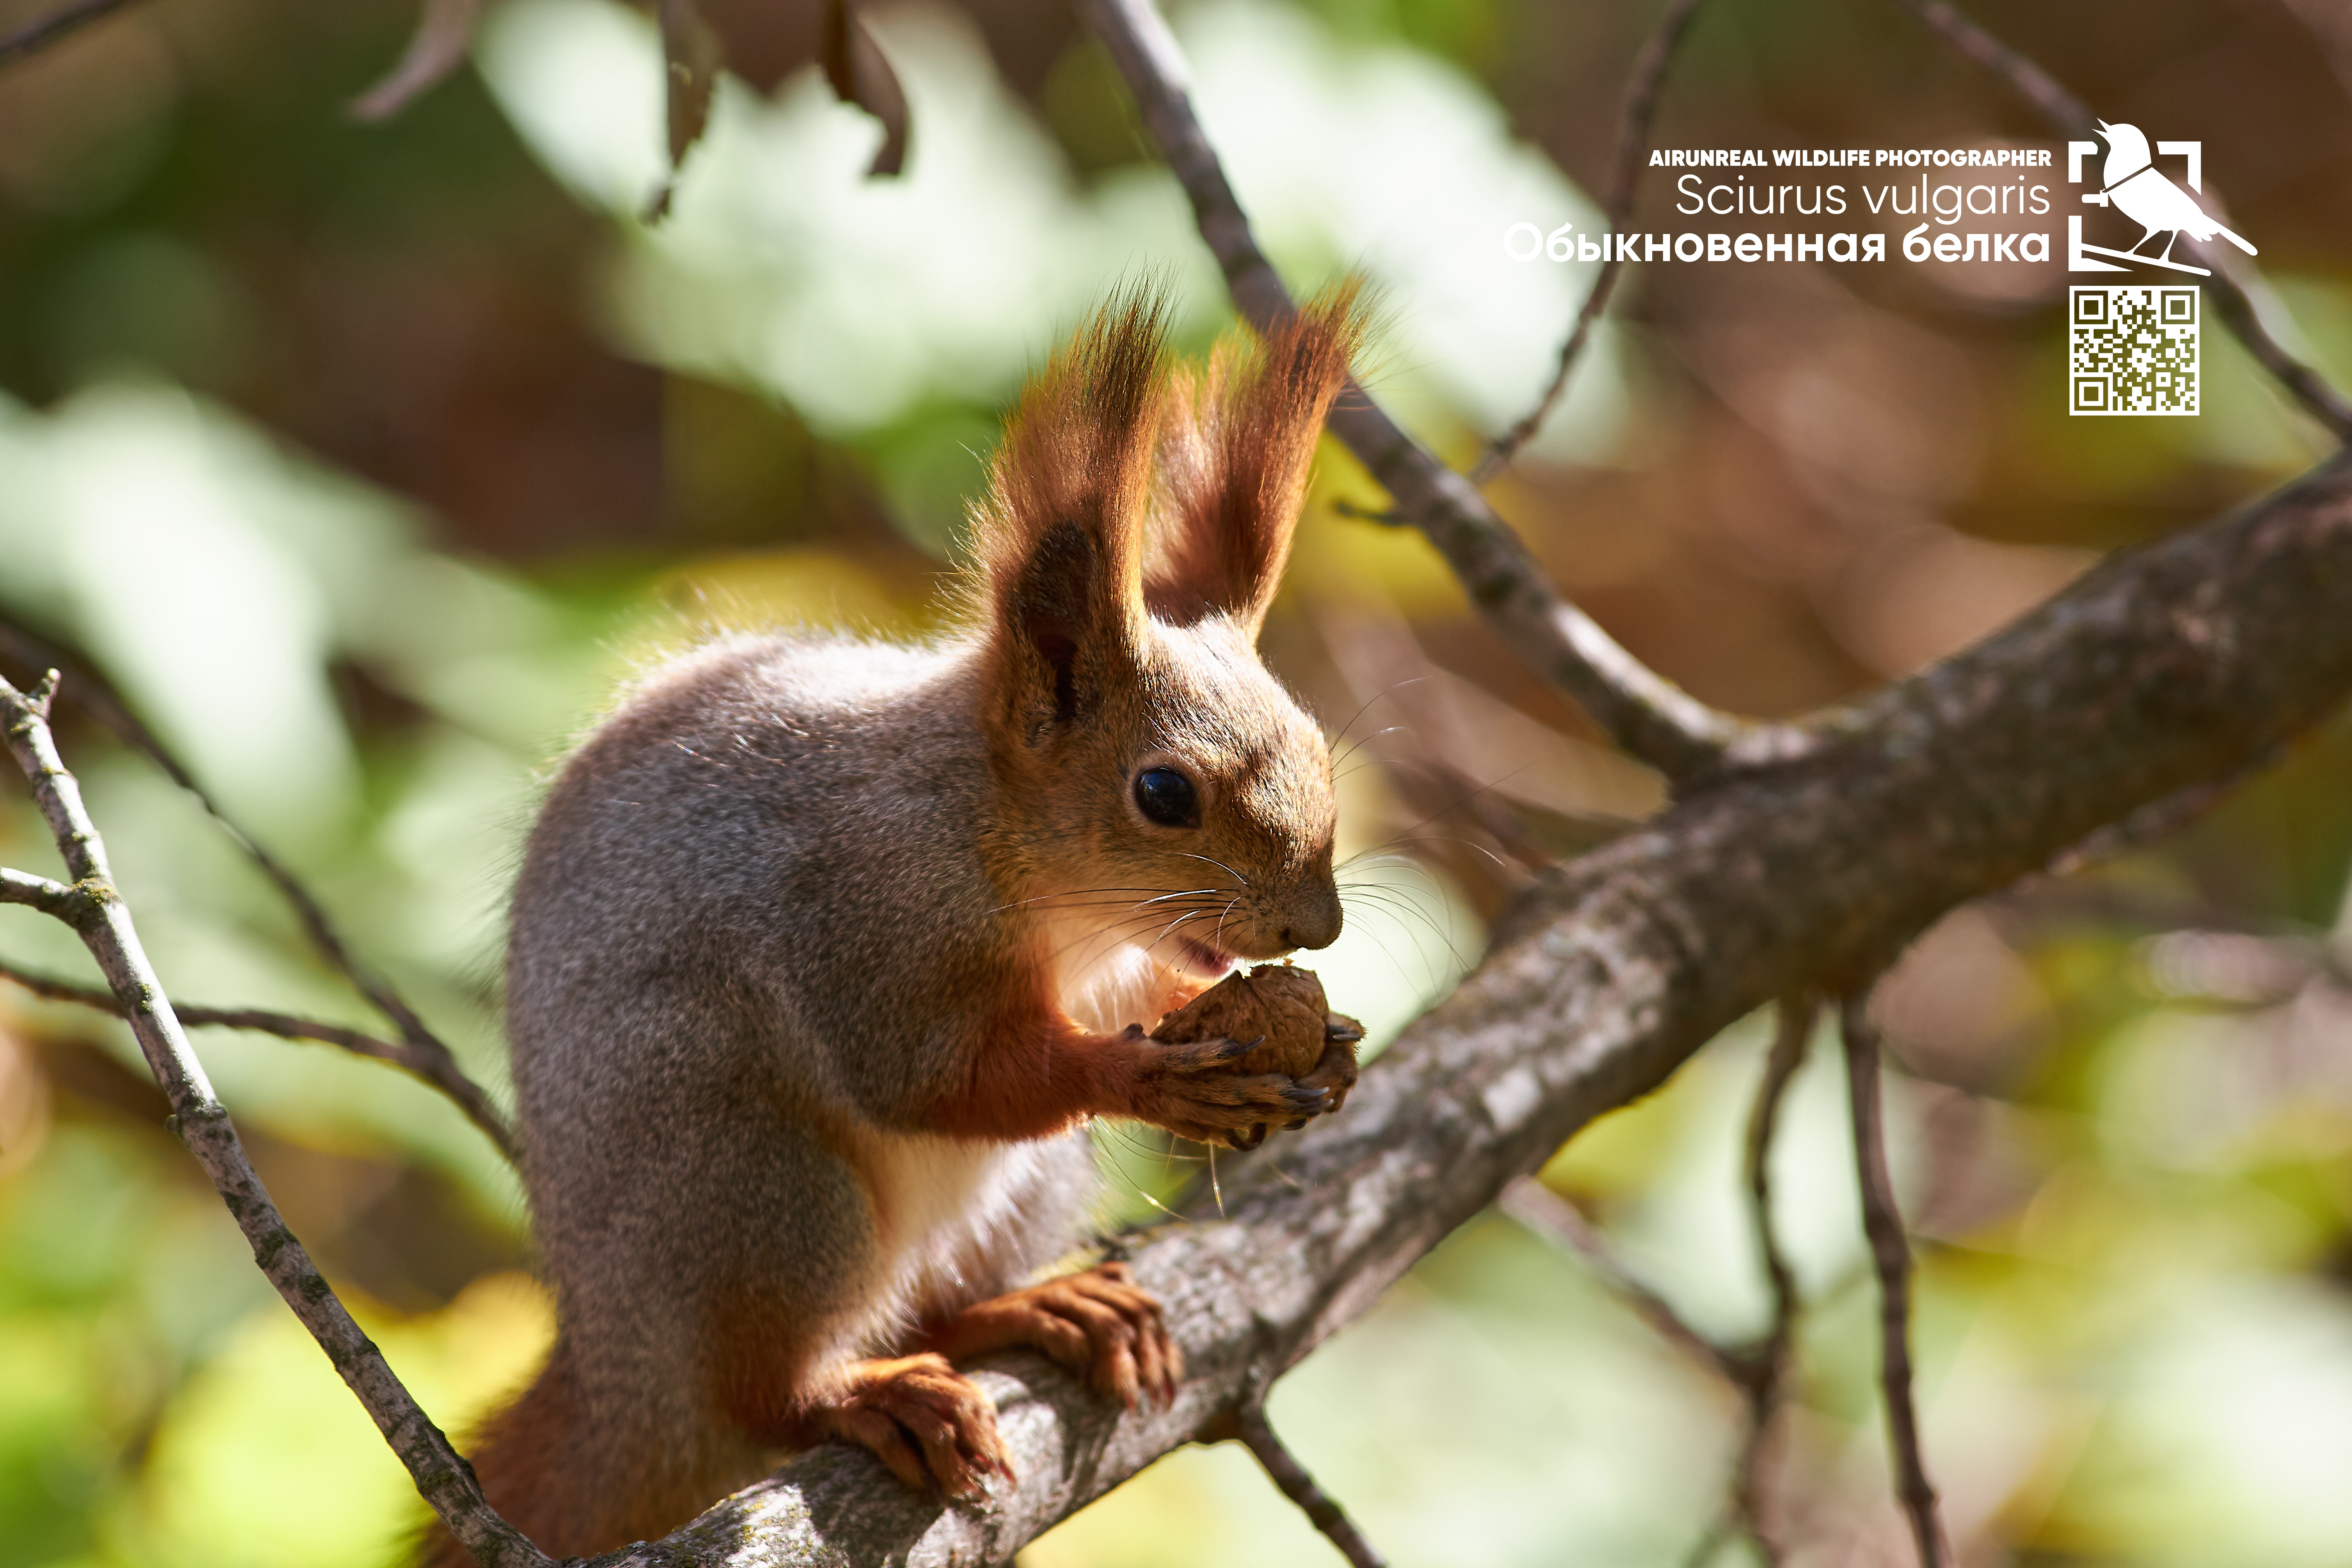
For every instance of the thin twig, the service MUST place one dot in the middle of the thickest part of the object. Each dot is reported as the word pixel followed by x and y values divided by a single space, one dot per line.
pixel 1763 1366
pixel 1795 1029
pixel 1649 75
pixel 445 1481
pixel 2241 302
pixel 2156 821
pixel 1560 1221
pixel 1882 1222
pixel 1282 1466
pixel 431 1058
pixel 424 1064
pixel 55 899
pixel 42 31
pixel 1649 715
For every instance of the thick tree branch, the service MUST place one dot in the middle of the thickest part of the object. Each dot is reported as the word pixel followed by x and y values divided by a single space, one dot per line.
pixel 42 31
pixel 1649 715
pixel 1649 75
pixel 104 922
pixel 435 1070
pixel 1891 1258
pixel 2242 299
pixel 421 1051
pixel 2188 658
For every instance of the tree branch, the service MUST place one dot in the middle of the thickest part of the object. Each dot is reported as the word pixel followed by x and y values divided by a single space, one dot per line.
pixel 437 1071
pixel 1649 75
pixel 2241 301
pixel 2188 657
pixel 1253 1432
pixel 1882 1223
pixel 424 1052
pixel 1558 1221
pixel 104 922
pixel 42 31
pixel 1649 715
pixel 1794 1028
pixel 70 904
pixel 1757 1371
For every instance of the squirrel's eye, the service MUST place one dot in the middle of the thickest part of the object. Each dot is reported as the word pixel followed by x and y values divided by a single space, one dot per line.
pixel 1165 795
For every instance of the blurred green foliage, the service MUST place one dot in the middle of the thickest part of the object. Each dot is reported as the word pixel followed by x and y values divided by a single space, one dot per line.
pixel 366 461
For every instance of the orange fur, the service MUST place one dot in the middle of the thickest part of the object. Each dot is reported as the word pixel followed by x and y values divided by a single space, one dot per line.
pixel 542 1479
pixel 1060 534
pixel 1234 445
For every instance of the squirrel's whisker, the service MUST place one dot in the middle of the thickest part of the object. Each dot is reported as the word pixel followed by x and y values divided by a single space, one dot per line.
pixel 1452 839
pixel 1220 865
pixel 1433 817
pixel 1387 952
pixel 1389 910
pixel 1393 905
pixel 1366 741
pixel 1187 893
pixel 1072 893
pixel 1385 692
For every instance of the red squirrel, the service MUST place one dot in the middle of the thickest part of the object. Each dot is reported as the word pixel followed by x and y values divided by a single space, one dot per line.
pixel 823 953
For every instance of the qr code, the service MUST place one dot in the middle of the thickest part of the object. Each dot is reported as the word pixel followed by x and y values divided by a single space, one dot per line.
pixel 2132 351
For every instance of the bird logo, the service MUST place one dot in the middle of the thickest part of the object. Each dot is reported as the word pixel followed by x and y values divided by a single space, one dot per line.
pixel 2134 187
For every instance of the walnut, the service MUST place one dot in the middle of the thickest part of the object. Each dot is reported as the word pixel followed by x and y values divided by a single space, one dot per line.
pixel 1302 1038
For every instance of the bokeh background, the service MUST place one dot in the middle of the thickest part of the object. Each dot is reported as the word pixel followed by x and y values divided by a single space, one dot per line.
pixel 365 460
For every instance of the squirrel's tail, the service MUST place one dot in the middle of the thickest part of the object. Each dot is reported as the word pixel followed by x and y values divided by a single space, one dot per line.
pixel 572 1482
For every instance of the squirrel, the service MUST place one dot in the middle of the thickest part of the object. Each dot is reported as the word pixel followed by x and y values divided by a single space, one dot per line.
pixel 823 951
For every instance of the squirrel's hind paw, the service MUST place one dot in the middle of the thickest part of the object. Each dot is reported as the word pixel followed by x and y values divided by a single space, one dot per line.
pixel 934 1427
pixel 1098 1322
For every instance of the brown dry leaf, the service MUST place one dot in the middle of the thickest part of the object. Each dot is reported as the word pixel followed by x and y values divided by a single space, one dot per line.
pixel 691 56
pixel 445 32
pixel 763 43
pixel 860 74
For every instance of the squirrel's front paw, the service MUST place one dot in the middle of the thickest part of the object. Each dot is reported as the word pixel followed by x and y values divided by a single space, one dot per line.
pixel 1194 1091
pixel 1336 1069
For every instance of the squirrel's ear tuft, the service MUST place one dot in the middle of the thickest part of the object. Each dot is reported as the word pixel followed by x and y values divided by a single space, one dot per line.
pixel 1059 535
pixel 1235 445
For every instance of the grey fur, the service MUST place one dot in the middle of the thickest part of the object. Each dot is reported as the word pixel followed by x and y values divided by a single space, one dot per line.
pixel 734 911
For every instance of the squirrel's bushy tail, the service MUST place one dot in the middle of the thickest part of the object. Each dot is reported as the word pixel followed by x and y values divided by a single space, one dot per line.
pixel 572 1482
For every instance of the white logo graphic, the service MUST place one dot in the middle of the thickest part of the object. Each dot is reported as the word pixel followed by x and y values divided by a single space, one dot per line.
pixel 2134 187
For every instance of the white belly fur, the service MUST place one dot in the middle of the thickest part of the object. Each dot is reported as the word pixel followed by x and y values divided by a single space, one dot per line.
pixel 1105 985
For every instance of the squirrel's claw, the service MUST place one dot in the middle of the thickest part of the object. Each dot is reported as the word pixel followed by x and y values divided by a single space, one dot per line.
pixel 1234 1050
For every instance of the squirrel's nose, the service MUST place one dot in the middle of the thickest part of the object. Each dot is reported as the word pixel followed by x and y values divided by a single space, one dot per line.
pixel 1315 922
